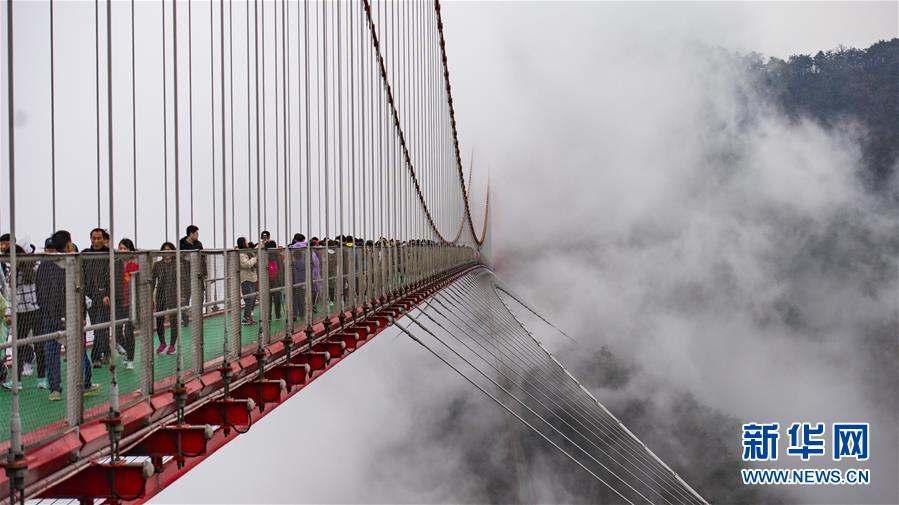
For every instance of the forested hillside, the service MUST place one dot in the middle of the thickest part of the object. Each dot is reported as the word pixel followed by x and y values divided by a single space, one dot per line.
pixel 841 84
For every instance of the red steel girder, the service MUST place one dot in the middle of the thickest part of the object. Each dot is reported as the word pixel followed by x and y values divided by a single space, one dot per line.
pixel 164 442
pixel 293 374
pixel 119 481
pixel 231 412
pixel 315 360
pixel 260 391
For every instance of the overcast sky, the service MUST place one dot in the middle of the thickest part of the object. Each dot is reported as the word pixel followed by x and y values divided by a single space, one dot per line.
pixel 508 60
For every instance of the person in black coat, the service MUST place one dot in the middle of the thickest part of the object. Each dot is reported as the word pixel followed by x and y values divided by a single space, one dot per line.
pixel 189 243
pixel 95 271
pixel 164 282
pixel 50 289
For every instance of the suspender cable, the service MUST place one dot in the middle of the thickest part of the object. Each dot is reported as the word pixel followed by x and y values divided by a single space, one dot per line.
pixel 249 159
pixel 265 127
pixel 190 108
pixel 113 383
pixel 133 126
pixel 341 227
pixel 324 71
pixel 231 116
pixel 229 305
pixel 277 112
pixel 97 99
pixel 212 134
pixel 165 134
pixel 53 120
pixel 285 118
pixel 309 279
pixel 15 467
pixel 180 393
pixel 256 62
pixel 263 224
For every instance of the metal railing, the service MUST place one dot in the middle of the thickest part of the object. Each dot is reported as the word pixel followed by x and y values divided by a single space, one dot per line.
pixel 226 305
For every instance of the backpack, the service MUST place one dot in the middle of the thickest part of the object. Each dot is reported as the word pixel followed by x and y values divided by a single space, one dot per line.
pixel 272 270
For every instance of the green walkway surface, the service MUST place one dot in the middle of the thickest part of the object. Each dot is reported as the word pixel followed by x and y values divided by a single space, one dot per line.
pixel 37 411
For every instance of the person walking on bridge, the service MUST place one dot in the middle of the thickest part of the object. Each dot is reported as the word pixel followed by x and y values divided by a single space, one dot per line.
pixel 164 282
pixel 50 289
pixel 299 273
pixel 248 279
pixel 124 268
pixel 95 271
pixel 275 275
pixel 191 242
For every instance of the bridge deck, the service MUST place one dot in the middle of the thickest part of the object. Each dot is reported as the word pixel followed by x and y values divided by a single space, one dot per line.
pixel 38 412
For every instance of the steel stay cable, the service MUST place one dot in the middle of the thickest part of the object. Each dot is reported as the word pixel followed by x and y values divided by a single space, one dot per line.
pixel 553 384
pixel 508 291
pixel 558 370
pixel 506 408
pixel 630 440
pixel 658 460
pixel 613 423
pixel 525 382
pixel 527 407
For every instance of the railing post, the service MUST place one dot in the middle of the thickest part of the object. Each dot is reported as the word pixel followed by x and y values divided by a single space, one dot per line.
pixel 326 283
pixel 382 253
pixel 308 286
pixel 265 299
pixel 196 311
pixel 211 288
pixel 74 341
pixel 338 288
pixel 366 280
pixel 232 265
pixel 353 279
pixel 144 301
pixel 287 294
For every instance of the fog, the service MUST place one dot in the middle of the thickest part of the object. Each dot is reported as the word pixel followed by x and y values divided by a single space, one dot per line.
pixel 717 263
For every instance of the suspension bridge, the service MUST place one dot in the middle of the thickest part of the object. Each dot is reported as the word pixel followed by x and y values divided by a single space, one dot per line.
pixel 314 146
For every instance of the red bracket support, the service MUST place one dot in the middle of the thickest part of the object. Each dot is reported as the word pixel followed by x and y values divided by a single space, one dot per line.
pixel 260 391
pixel 231 412
pixel 117 482
pixel 334 349
pixel 315 360
pixel 164 442
pixel 349 340
pixel 292 374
